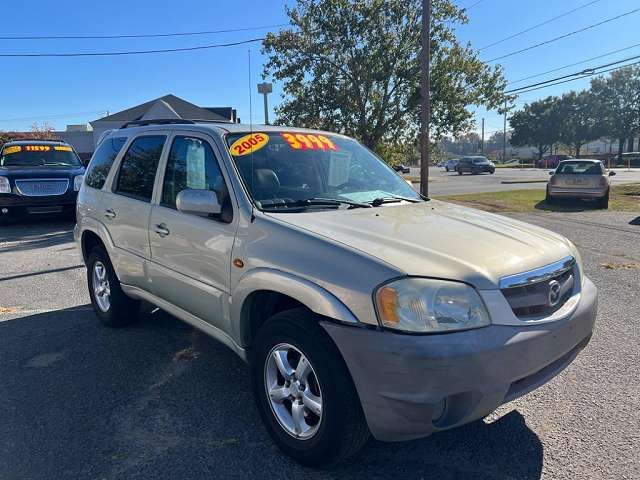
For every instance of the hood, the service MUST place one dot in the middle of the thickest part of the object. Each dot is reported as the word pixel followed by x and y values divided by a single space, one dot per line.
pixel 440 240
pixel 41 172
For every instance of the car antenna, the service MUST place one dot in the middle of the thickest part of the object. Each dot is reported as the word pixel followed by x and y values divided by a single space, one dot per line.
pixel 251 132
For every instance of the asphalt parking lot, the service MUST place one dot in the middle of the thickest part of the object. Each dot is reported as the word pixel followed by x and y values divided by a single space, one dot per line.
pixel 450 183
pixel 159 400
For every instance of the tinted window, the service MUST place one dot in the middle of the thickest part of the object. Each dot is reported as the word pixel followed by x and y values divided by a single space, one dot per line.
pixel 138 167
pixel 32 155
pixel 192 165
pixel 586 168
pixel 102 161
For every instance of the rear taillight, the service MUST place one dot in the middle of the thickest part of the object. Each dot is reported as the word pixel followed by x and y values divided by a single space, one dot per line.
pixel 553 180
pixel 603 181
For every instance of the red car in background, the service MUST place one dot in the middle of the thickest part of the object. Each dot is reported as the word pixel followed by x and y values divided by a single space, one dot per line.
pixel 552 161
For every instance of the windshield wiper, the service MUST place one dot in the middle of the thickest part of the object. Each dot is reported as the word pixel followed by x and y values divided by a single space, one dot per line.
pixel 287 205
pixel 335 201
pixel 389 198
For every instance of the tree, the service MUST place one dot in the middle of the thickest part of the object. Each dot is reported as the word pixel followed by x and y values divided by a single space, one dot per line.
pixel 38 132
pixel 618 104
pixel 352 66
pixel 537 124
pixel 579 120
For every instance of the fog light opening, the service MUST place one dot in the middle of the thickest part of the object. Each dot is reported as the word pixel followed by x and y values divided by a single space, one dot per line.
pixel 439 411
pixel 4 211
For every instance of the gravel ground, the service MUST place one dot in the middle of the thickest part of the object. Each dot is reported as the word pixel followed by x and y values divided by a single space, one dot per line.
pixel 158 400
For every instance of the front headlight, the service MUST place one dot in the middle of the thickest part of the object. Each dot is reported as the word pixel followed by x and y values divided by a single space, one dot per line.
pixel 5 187
pixel 428 306
pixel 578 258
pixel 77 182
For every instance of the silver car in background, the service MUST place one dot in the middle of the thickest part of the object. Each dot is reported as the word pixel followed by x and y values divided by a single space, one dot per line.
pixel 580 179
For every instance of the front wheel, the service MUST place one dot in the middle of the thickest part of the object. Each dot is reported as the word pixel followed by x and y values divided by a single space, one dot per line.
pixel 459 172
pixel 304 392
pixel 110 304
pixel 446 168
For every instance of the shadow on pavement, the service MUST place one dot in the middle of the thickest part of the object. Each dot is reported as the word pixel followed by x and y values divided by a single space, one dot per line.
pixel 34 233
pixel 159 400
pixel 567 206
pixel 635 221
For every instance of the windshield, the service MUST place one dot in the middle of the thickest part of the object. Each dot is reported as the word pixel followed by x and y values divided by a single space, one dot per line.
pixel 585 168
pixel 39 156
pixel 291 167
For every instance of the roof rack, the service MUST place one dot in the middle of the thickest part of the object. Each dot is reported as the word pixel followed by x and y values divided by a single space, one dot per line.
pixel 57 140
pixel 160 121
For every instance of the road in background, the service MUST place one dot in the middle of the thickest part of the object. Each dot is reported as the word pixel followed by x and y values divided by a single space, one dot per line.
pixel 159 400
pixel 450 183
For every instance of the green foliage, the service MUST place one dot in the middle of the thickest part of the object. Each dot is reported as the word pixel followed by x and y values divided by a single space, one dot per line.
pixel 537 124
pixel 618 103
pixel 353 66
pixel 579 122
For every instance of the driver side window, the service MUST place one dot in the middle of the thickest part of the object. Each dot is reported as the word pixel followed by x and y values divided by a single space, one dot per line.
pixel 192 165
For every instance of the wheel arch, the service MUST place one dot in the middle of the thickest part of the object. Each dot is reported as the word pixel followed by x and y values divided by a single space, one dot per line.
pixel 265 292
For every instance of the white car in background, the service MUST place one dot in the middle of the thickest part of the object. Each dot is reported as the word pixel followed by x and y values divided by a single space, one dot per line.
pixel 580 179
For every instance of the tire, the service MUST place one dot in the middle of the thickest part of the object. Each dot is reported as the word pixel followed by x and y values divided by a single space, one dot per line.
pixel 459 172
pixel 341 430
pixel 604 202
pixel 548 199
pixel 446 168
pixel 120 310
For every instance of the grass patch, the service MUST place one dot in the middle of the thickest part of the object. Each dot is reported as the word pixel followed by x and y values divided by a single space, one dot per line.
pixel 623 198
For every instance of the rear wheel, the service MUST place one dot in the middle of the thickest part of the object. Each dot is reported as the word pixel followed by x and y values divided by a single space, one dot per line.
pixel 112 307
pixel 604 202
pixel 459 171
pixel 548 199
pixel 304 392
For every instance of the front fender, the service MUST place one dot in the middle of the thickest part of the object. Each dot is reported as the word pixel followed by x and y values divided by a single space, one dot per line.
pixel 313 296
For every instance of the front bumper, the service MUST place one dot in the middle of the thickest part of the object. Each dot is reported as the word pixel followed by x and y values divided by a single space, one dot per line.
pixel 402 380
pixel 577 192
pixel 14 206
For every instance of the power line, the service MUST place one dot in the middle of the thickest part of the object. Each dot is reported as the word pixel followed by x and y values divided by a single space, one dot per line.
pixel 129 52
pixel 588 71
pixel 145 35
pixel 473 5
pixel 574 64
pixel 586 75
pixel 527 30
pixel 546 42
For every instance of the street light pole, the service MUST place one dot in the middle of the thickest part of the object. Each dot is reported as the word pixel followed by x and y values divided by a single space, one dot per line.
pixel 425 112
pixel 504 134
pixel 265 89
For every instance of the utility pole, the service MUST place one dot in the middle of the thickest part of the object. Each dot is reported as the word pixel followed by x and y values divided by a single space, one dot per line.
pixel 482 139
pixel 265 89
pixel 425 106
pixel 504 134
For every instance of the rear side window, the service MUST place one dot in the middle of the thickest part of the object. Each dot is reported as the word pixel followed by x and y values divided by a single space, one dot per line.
pixel 102 161
pixel 138 167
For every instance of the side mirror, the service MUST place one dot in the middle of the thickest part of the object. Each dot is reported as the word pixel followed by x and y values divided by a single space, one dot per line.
pixel 612 174
pixel 198 202
pixel 551 172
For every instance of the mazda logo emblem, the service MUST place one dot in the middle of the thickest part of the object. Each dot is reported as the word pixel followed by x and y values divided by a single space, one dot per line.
pixel 554 293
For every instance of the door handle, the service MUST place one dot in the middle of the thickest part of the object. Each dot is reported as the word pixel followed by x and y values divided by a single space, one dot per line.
pixel 109 213
pixel 162 230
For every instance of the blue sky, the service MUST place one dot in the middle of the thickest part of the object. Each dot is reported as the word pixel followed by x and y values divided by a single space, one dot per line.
pixel 76 90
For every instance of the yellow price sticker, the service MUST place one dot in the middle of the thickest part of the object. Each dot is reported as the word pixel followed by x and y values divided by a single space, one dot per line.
pixel 249 144
pixel 13 149
pixel 63 148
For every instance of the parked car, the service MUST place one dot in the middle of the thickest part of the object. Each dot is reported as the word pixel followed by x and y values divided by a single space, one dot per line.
pixel 401 168
pixel 552 161
pixel 580 179
pixel 355 300
pixel 451 165
pixel 475 165
pixel 38 177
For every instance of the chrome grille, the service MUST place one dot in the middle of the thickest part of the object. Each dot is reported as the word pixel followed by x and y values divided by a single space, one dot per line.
pixel 540 292
pixel 42 187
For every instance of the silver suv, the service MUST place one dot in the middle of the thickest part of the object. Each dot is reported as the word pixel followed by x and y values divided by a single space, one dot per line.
pixel 356 302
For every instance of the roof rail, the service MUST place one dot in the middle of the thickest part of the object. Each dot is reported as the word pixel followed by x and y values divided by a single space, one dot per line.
pixel 160 121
